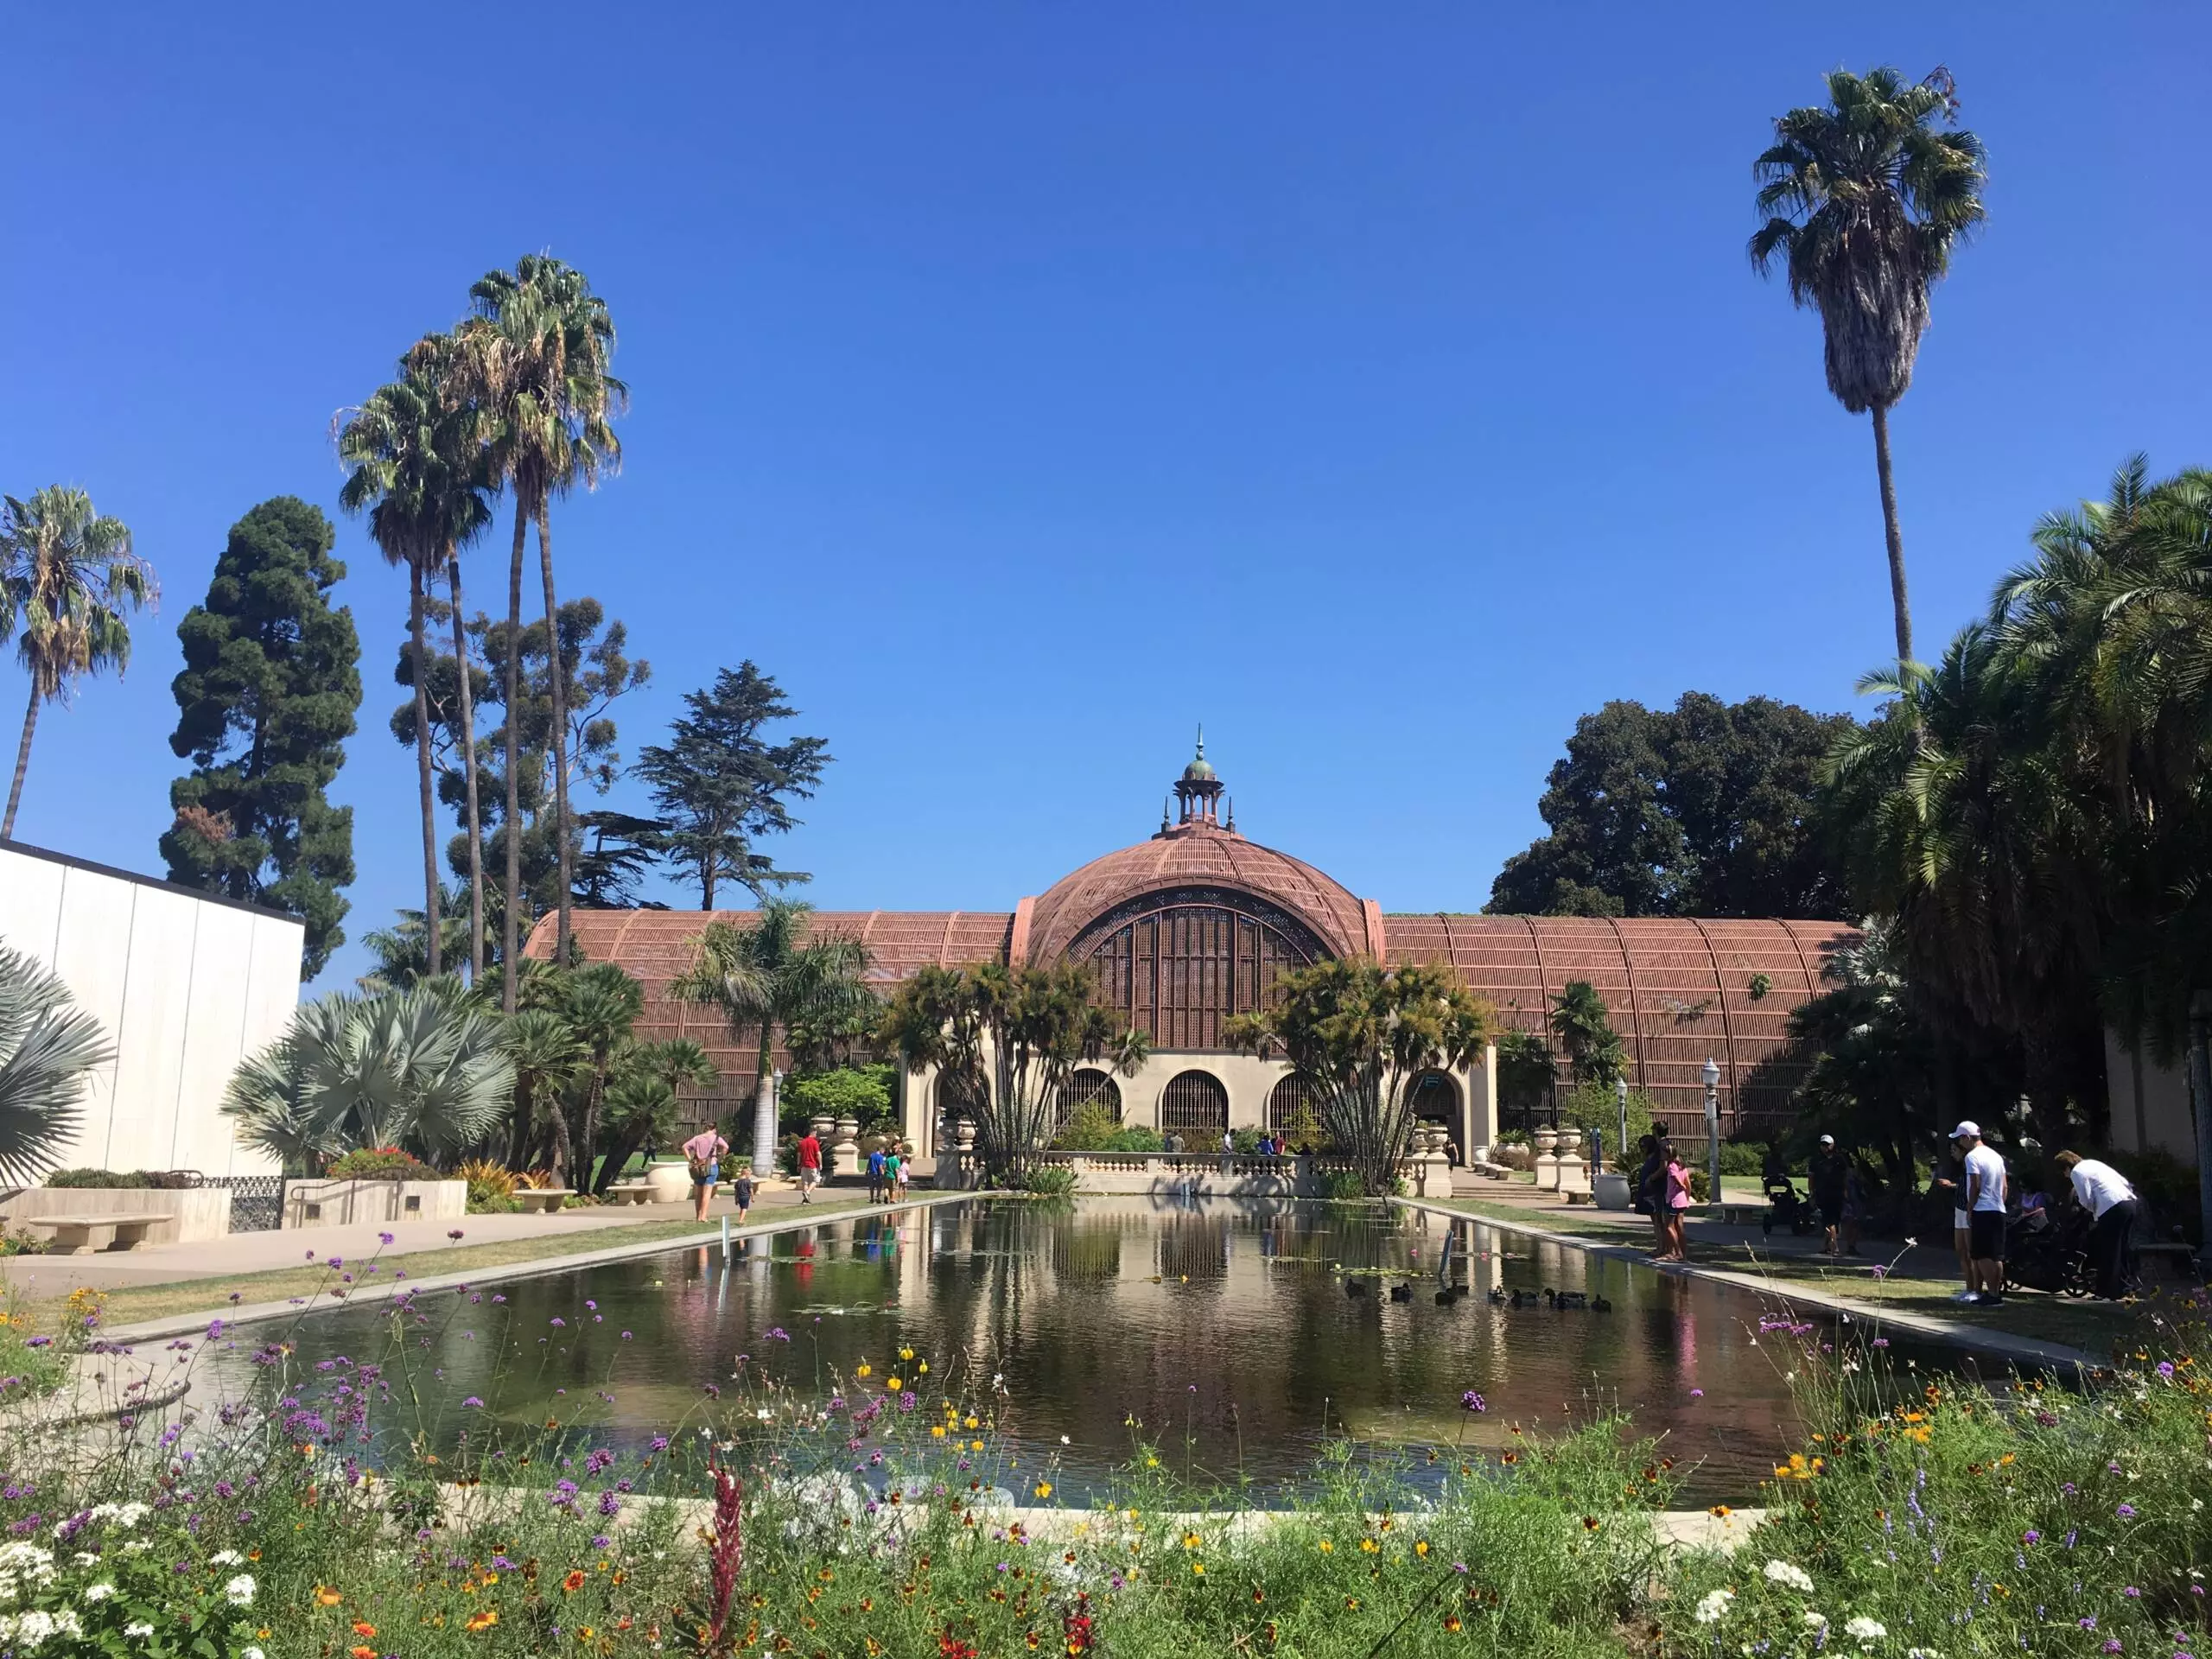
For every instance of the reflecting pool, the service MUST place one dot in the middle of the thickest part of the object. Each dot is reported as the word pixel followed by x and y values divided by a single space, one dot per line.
pixel 1236 1338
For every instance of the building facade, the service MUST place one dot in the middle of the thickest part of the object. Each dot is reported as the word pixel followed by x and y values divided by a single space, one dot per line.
pixel 1195 924
pixel 185 985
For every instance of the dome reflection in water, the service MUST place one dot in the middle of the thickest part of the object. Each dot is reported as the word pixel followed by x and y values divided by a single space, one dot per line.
pixel 1242 1337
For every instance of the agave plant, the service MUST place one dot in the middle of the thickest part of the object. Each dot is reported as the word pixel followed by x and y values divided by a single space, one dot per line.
pixel 48 1050
pixel 422 1068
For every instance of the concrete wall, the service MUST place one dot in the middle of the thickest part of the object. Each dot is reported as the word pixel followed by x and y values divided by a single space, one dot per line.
pixel 185 986
pixel 339 1204
pixel 2149 1102
pixel 202 1213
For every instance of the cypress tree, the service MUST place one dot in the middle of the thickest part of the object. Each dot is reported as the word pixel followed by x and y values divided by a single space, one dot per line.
pixel 271 685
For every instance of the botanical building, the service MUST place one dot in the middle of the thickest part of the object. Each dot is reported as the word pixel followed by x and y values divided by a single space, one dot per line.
pixel 1194 924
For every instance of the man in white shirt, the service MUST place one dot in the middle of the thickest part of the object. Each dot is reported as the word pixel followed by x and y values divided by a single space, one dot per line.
pixel 2107 1195
pixel 1985 1200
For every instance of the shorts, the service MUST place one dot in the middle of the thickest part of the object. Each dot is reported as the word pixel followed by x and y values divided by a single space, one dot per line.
pixel 1832 1214
pixel 1986 1229
pixel 713 1173
pixel 1958 1221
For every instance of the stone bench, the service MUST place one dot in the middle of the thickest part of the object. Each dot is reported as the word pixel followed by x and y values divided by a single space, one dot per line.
pixel 542 1200
pixel 630 1192
pixel 74 1234
pixel 2177 1261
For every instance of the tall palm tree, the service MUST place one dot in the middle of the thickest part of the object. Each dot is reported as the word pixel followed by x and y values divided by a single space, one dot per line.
pixel 67 577
pixel 768 976
pixel 537 352
pixel 49 1049
pixel 1865 199
pixel 1584 1032
pixel 418 474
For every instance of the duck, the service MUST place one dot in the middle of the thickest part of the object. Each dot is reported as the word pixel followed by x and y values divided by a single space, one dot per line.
pixel 1401 1293
pixel 1445 1298
pixel 1354 1287
pixel 1524 1298
pixel 1600 1305
pixel 1498 1298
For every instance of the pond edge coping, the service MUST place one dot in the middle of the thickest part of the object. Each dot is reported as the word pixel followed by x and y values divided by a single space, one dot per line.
pixel 2001 1344
pixel 184 1324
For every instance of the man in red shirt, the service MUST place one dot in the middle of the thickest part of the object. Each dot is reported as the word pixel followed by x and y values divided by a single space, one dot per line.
pixel 810 1166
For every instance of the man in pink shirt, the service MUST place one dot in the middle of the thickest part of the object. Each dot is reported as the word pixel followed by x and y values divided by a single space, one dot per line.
pixel 810 1166
pixel 704 1152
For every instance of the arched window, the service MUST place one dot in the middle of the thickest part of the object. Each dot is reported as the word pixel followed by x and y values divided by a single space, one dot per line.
pixel 1289 1100
pixel 1435 1098
pixel 1194 1100
pixel 1091 1088
pixel 1176 965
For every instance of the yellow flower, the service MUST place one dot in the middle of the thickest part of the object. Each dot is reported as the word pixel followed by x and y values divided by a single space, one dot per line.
pixel 923 1368
pixel 1190 1541
pixel 1369 1547
pixel 1326 1548
pixel 1198 1569
pixel 972 1422
pixel 975 1445
pixel 937 1431
pixel 1043 1489
pixel 863 1370
pixel 905 1353
pixel 326 1596
pixel 1420 1547
pixel 893 1384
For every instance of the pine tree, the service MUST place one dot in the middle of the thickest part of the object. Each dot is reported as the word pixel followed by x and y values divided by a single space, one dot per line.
pixel 271 684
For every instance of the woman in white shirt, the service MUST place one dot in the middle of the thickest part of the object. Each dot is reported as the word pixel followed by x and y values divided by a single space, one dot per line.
pixel 2107 1195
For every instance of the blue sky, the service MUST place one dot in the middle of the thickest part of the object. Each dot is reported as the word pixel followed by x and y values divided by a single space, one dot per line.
pixel 1023 384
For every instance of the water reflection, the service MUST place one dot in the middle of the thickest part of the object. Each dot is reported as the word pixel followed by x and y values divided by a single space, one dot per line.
pixel 1224 1330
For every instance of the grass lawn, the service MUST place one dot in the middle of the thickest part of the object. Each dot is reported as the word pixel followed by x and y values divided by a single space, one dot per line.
pixel 130 1303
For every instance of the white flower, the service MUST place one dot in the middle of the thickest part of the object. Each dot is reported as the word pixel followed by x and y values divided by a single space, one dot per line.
pixel 239 1591
pixel 1063 1441
pixel 1795 1577
pixel 1863 1629
pixel 251 1653
pixel 1922 1653
pixel 29 1630
pixel 1712 1606
pixel 1813 1621
pixel 138 1627
pixel 98 1592
pixel 763 1413
pixel 225 1558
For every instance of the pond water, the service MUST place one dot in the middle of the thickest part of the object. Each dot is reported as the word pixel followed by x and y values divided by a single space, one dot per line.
pixel 1238 1338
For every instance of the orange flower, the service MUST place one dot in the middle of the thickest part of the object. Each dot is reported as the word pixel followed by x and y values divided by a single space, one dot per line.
pixel 326 1596
pixel 1451 1622
pixel 360 1628
pixel 363 1652
pixel 574 1582
pixel 483 1621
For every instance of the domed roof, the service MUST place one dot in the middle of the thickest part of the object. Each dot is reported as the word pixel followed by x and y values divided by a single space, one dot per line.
pixel 1196 856
pixel 1198 771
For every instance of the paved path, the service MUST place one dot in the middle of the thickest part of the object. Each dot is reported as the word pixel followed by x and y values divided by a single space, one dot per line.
pixel 43 1276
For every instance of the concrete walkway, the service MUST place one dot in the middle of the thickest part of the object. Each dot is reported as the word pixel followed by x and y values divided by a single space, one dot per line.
pixel 40 1277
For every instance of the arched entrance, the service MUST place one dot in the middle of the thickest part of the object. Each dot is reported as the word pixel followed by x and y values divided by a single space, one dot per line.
pixel 1091 1088
pixel 1289 1100
pixel 1195 1102
pixel 1434 1098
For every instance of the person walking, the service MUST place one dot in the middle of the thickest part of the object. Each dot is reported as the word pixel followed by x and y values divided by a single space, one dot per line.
pixel 1678 1198
pixel 741 1191
pixel 2110 1198
pixel 1829 1177
pixel 876 1166
pixel 703 1153
pixel 902 1169
pixel 810 1166
pixel 1986 1192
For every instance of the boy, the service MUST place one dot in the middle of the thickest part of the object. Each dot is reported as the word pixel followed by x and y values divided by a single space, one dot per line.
pixel 1984 1195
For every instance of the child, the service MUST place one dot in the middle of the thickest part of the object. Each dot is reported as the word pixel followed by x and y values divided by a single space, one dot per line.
pixel 743 1193
pixel 876 1172
pixel 1678 1200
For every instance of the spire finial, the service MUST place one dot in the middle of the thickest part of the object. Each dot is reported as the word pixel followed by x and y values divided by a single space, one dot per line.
pixel 1202 739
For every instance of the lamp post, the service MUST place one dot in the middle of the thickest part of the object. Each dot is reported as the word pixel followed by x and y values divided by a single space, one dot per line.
pixel 764 1126
pixel 1712 1075
pixel 1620 1098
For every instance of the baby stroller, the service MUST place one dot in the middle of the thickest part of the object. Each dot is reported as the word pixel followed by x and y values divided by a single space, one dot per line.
pixel 1786 1207
pixel 2047 1250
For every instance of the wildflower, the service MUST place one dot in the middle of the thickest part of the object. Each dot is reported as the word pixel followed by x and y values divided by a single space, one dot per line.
pixel 1451 1622
pixel 1863 1629
pixel 1043 1489
pixel 1326 1548
pixel 1473 1401
pixel 97 1592
pixel 2125 1511
pixel 483 1621
pixel 239 1591
pixel 327 1597
pixel 227 1558
pixel 362 1627
pixel 1712 1606
pixel 1795 1577
pixel 1697 1393
pixel 574 1581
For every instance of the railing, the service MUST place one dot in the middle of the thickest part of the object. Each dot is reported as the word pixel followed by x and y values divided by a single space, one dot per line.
pixel 256 1201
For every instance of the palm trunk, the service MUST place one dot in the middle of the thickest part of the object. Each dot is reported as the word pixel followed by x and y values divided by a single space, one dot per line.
pixel 509 967
pixel 418 644
pixel 593 1095
pixel 558 1120
pixel 23 765
pixel 469 771
pixel 556 674
pixel 1896 536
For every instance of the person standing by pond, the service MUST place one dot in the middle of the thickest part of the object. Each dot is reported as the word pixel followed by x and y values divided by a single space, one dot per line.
pixel 1986 1194
pixel 742 1192
pixel 1651 1187
pixel 810 1166
pixel 703 1153
pixel 875 1173
pixel 2110 1200
pixel 1961 1240
pixel 1679 1198
pixel 1830 1179
pixel 902 1170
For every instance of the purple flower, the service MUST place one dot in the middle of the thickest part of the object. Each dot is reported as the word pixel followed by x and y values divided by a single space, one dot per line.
pixel 2031 1536
pixel 473 1404
pixel 660 1443
pixel 384 1238
pixel 561 1324
pixel 777 1333
pixel 2166 1369
pixel 591 1304
pixel 1473 1401
pixel 1881 1342
pixel 2125 1511
pixel 2112 1644
pixel 1697 1393
pixel 603 1542
pixel 2132 1593
pixel 454 1233
pixel 2089 1623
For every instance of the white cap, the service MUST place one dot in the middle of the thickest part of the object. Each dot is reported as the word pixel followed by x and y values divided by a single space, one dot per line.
pixel 1968 1130
pixel 1827 1140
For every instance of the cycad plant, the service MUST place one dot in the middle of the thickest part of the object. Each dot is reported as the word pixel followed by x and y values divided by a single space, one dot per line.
pixel 67 580
pixel 643 1105
pixel 1864 199
pixel 49 1049
pixel 547 1058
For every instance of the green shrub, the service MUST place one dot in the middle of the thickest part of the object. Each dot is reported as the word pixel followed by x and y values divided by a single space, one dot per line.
pixel 162 1180
pixel 1049 1181
pixel 380 1163
pixel 862 1092
pixel 2165 1184
pixel 1088 1127
pixel 1742 1157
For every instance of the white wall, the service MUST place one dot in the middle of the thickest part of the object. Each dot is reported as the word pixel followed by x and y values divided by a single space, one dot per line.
pixel 2149 1101
pixel 185 986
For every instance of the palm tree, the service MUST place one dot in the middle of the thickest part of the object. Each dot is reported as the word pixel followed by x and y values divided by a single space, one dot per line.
pixel 546 1057
pixel 601 1003
pixel 1864 199
pixel 535 357
pixel 67 575
pixel 417 474
pixel 642 1099
pixel 273 1096
pixel 48 1050
pixel 402 950
pixel 765 979
pixel 1584 1034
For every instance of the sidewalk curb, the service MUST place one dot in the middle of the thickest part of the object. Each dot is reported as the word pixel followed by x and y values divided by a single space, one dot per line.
pixel 186 1325
pixel 1999 1344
